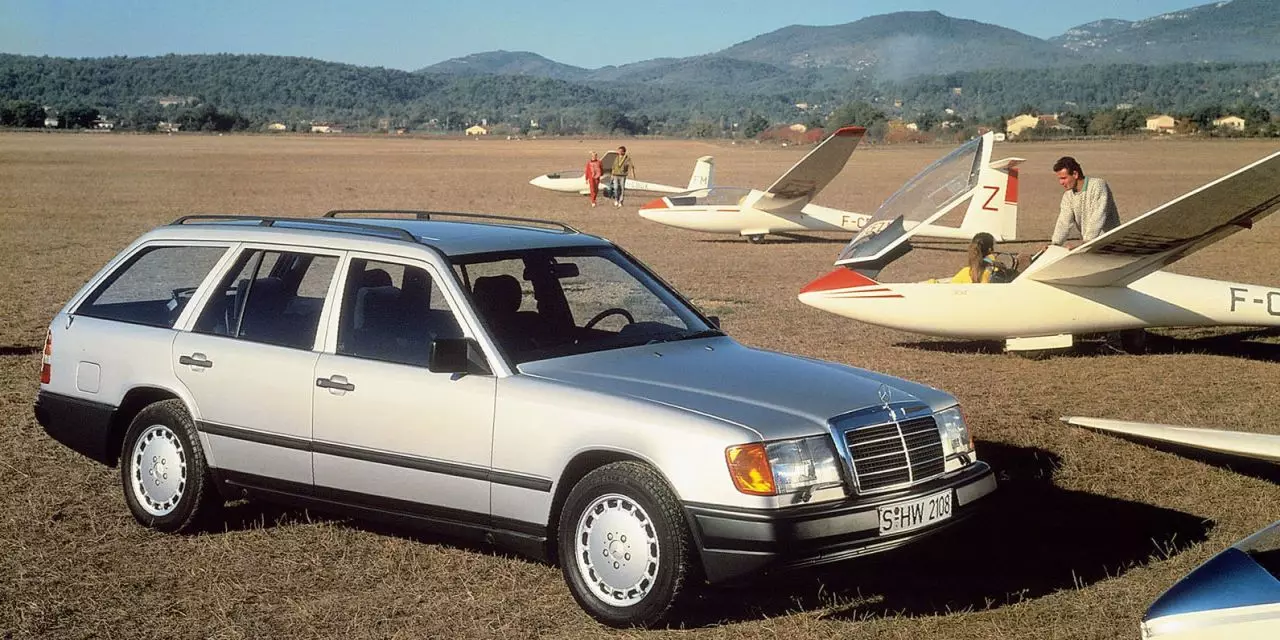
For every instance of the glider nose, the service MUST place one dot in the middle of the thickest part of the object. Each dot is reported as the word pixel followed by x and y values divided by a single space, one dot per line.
pixel 837 280
pixel 540 181
pixel 655 210
pixel 656 203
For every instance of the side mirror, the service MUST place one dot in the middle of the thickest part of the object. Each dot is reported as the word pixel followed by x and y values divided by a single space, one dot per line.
pixel 456 355
pixel 715 321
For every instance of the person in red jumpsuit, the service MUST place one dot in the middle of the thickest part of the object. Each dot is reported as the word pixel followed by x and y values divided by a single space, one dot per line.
pixel 592 174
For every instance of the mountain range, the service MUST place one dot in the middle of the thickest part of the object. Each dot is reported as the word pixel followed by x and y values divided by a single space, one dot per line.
pixel 897 46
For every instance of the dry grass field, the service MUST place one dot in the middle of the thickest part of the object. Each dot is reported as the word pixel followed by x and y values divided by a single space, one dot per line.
pixel 1086 531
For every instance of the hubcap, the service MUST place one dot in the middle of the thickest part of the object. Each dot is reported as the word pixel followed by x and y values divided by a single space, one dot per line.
pixel 158 470
pixel 617 550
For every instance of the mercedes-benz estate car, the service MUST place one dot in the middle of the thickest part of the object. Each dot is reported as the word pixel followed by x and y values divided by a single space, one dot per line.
pixel 501 378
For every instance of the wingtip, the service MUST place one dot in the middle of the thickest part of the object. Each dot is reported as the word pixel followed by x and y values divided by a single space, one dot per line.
pixel 849 131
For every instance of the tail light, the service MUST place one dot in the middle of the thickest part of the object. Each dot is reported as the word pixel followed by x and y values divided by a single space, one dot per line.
pixel 46 369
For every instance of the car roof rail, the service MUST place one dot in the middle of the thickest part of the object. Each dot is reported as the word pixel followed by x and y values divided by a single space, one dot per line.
pixel 321 224
pixel 428 215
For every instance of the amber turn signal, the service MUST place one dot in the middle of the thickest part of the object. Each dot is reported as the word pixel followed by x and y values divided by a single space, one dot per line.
pixel 749 468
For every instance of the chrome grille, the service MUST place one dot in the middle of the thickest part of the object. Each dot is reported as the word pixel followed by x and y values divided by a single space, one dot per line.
pixel 887 456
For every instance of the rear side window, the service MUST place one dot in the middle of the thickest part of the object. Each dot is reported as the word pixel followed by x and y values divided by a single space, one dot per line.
pixel 273 297
pixel 152 287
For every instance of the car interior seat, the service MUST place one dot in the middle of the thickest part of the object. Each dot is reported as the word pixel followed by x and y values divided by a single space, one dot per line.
pixel 498 300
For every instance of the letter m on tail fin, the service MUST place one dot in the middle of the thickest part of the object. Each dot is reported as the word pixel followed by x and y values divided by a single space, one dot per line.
pixel 703 173
pixel 994 207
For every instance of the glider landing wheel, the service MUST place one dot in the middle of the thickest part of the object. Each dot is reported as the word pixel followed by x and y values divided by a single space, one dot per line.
pixel 755 238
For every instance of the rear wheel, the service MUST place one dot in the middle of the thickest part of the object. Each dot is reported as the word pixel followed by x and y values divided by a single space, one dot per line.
pixel 166 482
pixel 625 551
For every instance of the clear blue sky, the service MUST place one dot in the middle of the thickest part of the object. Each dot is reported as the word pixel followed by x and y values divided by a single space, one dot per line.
pixel 410 35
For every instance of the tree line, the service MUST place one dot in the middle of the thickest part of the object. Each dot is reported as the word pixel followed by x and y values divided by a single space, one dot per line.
pixel 227 92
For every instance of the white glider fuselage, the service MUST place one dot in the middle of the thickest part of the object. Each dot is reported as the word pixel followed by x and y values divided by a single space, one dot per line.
pixel 1028 308
pixel 575 181
pixel 749 221
pixel 786 205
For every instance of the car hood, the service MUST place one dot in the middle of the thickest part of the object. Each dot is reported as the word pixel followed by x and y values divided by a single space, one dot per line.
pixel 778 395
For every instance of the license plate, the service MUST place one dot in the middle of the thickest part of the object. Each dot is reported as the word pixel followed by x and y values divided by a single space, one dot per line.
pixel 913 514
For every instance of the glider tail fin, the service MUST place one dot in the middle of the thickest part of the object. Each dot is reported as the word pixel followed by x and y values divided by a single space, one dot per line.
pixel 703 173
pixel 994 206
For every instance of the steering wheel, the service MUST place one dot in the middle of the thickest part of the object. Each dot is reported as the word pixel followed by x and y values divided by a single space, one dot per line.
pixel 615 311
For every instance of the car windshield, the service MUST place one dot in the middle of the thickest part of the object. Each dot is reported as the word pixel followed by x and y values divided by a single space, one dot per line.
pixel 546 303
pixel 931 192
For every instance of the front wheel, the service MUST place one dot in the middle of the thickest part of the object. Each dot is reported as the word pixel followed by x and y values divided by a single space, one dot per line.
pixel 625 550
pixel 755 238
pixel 167 484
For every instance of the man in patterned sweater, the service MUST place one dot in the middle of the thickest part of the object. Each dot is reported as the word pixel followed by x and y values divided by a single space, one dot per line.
pixel 1087 205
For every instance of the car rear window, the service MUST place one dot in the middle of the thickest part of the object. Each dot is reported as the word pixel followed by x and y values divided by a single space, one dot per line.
pixel 153 286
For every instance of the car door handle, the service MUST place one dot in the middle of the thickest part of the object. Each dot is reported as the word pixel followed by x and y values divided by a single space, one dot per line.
pixel 196 360
pixel 336 382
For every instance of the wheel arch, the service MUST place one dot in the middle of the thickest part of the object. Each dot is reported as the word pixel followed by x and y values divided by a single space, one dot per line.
pixel 578 467
pixel 134 401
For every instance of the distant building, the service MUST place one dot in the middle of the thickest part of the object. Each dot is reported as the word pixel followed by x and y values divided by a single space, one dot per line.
pixel 323 127
pixel 50 120
pixel 168 127
pixel 1230 122
pixel 1019 123
pixel 277 126
pixel 1161 123
pixel 798 128
pixel 1124 106
pixel 803 106
pixel 477 130
pixel 103 124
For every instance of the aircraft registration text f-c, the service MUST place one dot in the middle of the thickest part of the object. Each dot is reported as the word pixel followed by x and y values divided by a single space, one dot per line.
pixel 1269 299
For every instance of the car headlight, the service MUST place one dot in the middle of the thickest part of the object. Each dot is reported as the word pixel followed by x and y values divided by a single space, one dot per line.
pixel 955 433
pixel 785 466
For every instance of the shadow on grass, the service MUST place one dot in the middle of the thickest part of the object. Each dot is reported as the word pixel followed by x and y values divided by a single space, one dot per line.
pixel 244 515
pixel 19 350
pixel 1031 540
pixel 1235 344
pixel 1260 469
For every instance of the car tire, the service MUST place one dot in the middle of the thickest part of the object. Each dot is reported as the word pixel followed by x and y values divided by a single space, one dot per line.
pixel 625 549
pixel 166 482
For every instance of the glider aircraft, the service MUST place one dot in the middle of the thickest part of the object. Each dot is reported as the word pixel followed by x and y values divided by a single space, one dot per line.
pixel 787 204
pixel 574 180
pixel 1111 283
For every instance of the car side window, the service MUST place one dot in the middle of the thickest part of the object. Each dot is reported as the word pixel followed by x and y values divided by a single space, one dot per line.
pixel 272 297
pixel 152 287
pixel 392 312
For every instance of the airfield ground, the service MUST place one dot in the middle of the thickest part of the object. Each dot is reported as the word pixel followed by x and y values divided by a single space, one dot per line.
pixel 1086 532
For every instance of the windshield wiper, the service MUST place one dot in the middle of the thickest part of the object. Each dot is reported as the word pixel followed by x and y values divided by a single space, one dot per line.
pixel 701 333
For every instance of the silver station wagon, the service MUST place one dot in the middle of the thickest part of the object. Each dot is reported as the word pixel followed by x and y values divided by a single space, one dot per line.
pixel 498 378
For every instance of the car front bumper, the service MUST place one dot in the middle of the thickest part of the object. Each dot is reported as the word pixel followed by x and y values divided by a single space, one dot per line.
pixel 736 543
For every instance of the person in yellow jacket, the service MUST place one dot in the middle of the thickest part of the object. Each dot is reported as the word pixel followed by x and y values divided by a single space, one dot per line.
pixel 982 261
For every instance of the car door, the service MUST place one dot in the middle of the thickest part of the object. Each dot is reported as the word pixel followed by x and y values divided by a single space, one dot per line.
pixel 388 431
pixel 249 363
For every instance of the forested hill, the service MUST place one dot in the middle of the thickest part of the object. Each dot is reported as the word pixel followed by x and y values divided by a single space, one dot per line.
pixel 898 46
pixel 1236 31
pixel 294 90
